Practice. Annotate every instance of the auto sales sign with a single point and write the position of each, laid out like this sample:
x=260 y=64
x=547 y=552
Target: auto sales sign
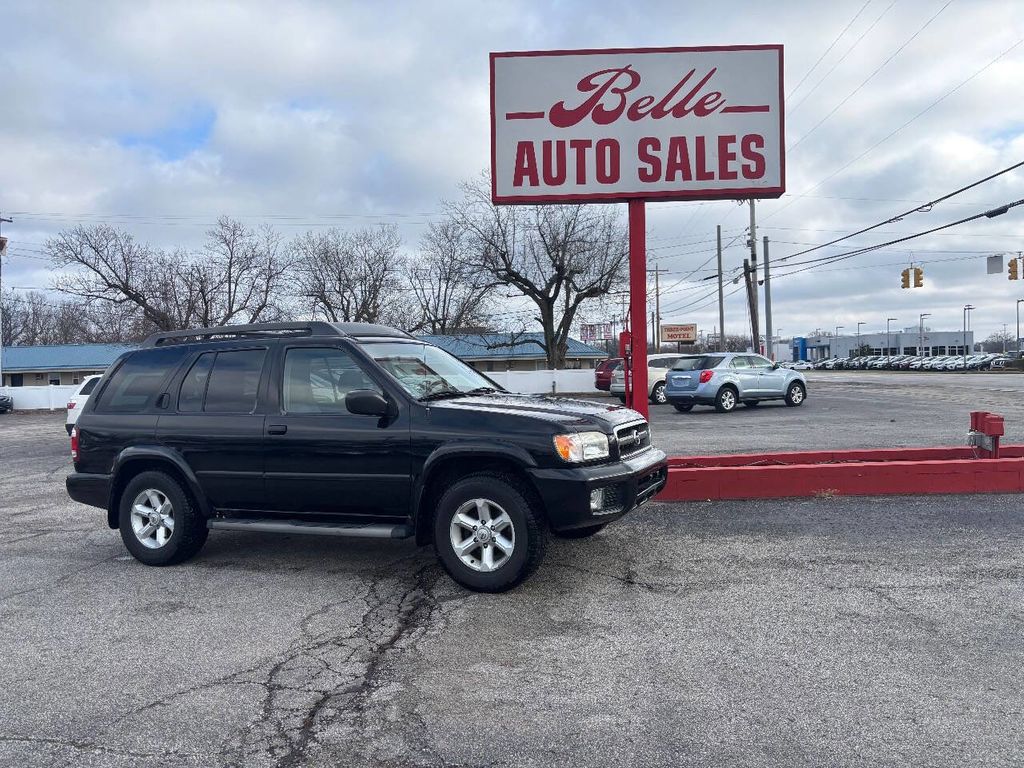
x=641 y=124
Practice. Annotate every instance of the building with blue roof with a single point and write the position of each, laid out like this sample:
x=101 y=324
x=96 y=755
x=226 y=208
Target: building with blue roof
x=490 y=352
x=56 y=364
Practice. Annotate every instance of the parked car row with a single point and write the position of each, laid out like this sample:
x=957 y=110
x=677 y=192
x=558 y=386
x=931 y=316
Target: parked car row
x=722 y=380
x=974 y=362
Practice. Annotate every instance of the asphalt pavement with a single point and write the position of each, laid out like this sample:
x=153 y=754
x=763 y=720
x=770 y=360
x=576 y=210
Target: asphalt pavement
x=838 y=631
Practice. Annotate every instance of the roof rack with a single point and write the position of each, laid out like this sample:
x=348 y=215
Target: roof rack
x=257 y=330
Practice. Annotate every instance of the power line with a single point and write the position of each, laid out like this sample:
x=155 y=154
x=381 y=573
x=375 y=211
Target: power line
x=828 y=50
x=868 y=79
x=898 y=217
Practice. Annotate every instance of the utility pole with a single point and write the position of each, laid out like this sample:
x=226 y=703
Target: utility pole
x=721 y=297
x=1017 y=345
x=3 y=253
x=750 y=271
x=967 y=311
x=859 y=324
x=1004 y=339
x=920 y=332
x=656 y=326
x=888 y=342
x=768 y=304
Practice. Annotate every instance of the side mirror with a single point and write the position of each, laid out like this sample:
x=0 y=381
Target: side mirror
x=775 y=366
x=366 y=402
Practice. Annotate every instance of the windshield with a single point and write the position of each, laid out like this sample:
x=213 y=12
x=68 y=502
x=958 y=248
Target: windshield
x=427 y=371
x=696 y=363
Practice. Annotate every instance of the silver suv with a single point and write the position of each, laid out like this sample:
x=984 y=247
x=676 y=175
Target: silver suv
x=727 y=379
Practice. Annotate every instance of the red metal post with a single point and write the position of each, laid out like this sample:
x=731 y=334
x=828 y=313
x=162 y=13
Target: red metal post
x=638 y=305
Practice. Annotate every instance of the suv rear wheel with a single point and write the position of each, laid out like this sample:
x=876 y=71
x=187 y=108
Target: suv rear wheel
x=725 y=400
x=487 y=533
x=158 y=523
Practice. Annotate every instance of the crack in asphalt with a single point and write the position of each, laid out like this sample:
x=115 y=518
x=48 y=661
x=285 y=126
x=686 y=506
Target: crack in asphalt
x=92 y=746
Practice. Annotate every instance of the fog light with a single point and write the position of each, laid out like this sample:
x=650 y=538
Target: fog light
x=597 y=500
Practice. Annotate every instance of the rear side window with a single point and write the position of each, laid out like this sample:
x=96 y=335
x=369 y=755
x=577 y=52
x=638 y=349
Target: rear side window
x=193 y=388
x=88 y=387
x=134 y=385
x=697 y=363
x=234 y=380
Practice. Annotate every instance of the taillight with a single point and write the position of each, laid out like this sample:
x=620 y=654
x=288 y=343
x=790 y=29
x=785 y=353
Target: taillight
x=705 y=376
x=71 y=405
x=74 y=444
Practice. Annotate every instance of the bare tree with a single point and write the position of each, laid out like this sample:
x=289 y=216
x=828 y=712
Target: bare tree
x=238 y=277
x=557 y=256
x=354 y=276
x=451 y=294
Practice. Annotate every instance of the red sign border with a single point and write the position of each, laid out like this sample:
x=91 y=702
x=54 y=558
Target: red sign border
x=731 y=193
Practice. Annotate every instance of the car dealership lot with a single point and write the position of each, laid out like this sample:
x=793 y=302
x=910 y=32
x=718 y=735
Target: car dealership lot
x=823 y=631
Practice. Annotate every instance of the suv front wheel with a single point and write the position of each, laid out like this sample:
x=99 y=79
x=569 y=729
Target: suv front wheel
x=487 y=534
x=158 y=523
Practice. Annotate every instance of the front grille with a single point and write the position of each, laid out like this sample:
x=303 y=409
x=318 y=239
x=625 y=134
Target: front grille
x=633 y=438
x=613 y=500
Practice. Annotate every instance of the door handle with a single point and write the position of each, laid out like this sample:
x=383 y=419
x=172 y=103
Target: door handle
x=277 y=429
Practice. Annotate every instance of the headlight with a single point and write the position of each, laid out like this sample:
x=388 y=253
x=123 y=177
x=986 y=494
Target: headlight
x=582 y=446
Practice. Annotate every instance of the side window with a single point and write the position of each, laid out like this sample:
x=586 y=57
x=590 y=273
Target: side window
x=316 y=380
x=89 y=386
x=133 y=386
x=193 y=388
x=740 y=362
x=234 y=380
x=756 y=361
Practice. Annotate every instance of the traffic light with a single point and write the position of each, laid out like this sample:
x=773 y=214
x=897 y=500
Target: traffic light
x=906 y=278
x=918 y=277
x=1014 y=274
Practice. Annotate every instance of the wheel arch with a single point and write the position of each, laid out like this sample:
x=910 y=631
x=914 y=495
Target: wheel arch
x=135 y=460
x=446 y=465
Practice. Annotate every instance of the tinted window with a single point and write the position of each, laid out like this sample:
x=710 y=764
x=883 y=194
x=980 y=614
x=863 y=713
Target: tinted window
x=740 y=362
x=133 y=386
x=233 y=381
x=193 y=388
x=316 y=380
x=88 y=387
x=697 y=363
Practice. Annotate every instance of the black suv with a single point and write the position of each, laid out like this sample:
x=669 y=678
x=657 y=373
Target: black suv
x=349 y=429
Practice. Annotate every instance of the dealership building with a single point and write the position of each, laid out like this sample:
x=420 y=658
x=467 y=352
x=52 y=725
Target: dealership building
x=905 y=341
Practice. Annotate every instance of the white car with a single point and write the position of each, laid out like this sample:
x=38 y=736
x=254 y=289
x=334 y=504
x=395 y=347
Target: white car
x=658 y=367
x=79 y=399
x=800 y=365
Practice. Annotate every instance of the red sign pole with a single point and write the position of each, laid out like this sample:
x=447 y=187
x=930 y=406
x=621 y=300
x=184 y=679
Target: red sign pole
x=638 y=306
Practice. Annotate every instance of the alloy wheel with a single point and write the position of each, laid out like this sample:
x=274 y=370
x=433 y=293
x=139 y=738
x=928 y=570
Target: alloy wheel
x=152 y=518
x=482 y=535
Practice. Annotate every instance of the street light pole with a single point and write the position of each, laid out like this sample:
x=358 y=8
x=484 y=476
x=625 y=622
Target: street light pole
x=920 y=332
x=967 y=309
x=836 y=337
x=1017 y=345
x=858 y=337
x=888 y=342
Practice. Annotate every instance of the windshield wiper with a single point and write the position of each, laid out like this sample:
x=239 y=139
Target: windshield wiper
x=481 y=391
x=444 y=393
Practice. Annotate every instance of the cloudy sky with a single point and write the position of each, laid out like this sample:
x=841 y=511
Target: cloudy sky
x=158 y=117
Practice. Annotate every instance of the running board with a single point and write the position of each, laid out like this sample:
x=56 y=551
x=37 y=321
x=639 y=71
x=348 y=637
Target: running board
x=315 y=529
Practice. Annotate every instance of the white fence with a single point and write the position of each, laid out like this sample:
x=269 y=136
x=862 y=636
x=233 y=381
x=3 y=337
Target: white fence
x=52 y=398
x=546 y=382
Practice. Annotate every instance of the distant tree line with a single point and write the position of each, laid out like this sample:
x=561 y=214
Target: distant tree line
x=116 y=288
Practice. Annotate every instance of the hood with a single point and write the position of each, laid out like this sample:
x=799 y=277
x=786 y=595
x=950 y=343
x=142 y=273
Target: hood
x=564 y=411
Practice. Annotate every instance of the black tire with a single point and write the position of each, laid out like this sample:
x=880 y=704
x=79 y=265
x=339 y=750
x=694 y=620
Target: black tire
x=725 y=400
x=530 y=536
x=658 y=394
x=580 y=533
x=796 y=394
x=751 y=403
x=683 y=407
x=189 y=533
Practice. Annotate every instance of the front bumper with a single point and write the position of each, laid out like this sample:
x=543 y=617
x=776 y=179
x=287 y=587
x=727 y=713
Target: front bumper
x=93 y=490
x=627 y=484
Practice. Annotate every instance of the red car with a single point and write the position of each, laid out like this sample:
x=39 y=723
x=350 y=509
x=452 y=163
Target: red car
x=603 y=373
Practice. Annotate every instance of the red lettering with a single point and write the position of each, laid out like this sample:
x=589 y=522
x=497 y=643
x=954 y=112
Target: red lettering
x=725 y=156
x=678 y=160
x=553 y=156
x=646 y=150
x=703 y=174
x=683 y=108
x=661 y=110
x=709 y=103
x=562 y=116
x=526 y=165
x=607 y=151
x=639 y=108
x=580 y=147
x=748 y=148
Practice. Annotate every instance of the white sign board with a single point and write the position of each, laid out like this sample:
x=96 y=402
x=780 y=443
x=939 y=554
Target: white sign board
x=644 y=123
x=591 y=332
x=685 y=333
